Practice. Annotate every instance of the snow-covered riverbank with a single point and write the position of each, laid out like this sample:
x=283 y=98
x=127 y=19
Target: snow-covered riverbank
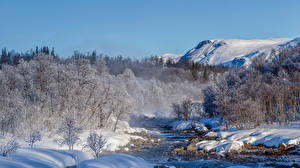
x=269 y=136
x=154 y=151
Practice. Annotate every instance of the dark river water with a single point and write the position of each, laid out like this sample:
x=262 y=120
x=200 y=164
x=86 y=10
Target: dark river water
x=170 y=139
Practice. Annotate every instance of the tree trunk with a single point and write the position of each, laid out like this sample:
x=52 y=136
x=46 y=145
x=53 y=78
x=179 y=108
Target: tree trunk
x=116 y=123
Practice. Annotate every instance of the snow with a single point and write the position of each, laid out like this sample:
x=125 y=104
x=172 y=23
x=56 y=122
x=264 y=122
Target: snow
x=48 y=153
x=39 y=157
x=48 y=158
x=115 y=140
x=211 y=134
x=220 y=51
x=186 y=125
x=116 y=161
x=231 y=52
x=270 y=136
x=168 y=56
x=200 y=125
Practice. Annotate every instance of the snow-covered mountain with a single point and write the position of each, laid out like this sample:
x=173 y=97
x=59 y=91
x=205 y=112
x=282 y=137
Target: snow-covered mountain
x=231 y=52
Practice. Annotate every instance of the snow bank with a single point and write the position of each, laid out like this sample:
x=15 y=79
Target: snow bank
x=115 y=140
x=116 y=161
x=220 y=146
x=270 y=136
x=186 y=125
x=39 y=157
x=124 y=127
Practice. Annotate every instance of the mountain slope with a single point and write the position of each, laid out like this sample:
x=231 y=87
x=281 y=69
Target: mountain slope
x=232 y=52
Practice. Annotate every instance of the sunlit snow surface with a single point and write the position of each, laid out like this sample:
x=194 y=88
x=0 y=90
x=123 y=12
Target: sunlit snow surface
x=270 y=136
x=51 y=155
x=48 y=153
x=116 y=161
x=42 y=158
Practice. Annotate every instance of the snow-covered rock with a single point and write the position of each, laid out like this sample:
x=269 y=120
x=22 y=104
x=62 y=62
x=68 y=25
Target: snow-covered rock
x=232 y=52
x=186 y=125
x=212 y=134
x=116 y=161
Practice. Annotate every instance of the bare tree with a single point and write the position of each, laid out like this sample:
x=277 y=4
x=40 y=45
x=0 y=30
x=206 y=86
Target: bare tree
x=186 y=108
x=177 y=110
x=8 y=147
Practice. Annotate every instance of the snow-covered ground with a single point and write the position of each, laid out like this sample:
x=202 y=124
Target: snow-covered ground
x=115 y=140
x=43 y=158
x=48 y=158
x=48 y=153
x=116 y=161
x=270 y=136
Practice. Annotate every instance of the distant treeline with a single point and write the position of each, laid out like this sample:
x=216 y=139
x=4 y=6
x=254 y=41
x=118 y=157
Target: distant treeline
x=117 y=64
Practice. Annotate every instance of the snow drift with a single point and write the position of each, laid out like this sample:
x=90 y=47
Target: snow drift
x=39 y=157
x=116 y=161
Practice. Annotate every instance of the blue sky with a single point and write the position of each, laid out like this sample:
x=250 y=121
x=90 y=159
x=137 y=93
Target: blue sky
x=139 y=28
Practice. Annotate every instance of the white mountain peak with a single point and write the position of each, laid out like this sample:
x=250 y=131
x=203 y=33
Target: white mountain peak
x=231 y=51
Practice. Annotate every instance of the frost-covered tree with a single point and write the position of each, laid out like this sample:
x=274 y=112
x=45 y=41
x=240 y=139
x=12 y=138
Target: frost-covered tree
x=96 y=143
x=69 y=132
x=209 y=106
x=121 y=107
x=8 y=147
x=34 y=136
x=38 y=89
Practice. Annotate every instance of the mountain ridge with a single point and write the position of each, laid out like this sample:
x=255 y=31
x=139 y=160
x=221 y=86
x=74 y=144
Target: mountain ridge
x=231 y=52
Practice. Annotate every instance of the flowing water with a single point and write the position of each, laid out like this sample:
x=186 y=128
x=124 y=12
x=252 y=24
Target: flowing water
x=156 y=152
